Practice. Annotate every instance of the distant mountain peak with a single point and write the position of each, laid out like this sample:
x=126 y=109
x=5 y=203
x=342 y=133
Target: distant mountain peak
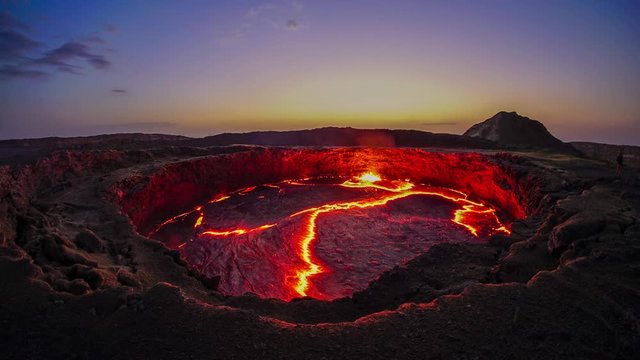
x=514 y=130
x=509 y=116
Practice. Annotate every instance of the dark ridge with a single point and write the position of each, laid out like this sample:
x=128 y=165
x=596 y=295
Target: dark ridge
x=24 y=150
x=608 y=152
x=334 y=136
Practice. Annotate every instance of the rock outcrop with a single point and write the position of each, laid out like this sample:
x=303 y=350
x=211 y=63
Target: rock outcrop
x=515 y=131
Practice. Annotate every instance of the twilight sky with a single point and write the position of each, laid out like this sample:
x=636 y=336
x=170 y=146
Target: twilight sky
x=203 y=67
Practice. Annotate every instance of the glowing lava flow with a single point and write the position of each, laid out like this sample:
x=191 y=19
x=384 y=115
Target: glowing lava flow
x=401 y=190
x=369 y=177
x=237 y=231
x=473 y=216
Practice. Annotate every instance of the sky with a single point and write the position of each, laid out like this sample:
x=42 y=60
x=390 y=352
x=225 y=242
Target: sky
x=199 y=68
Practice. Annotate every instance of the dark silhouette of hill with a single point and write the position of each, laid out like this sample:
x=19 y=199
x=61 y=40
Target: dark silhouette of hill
x=513 y=130
x=505 y=130
x=334 y=136
x=19 y=150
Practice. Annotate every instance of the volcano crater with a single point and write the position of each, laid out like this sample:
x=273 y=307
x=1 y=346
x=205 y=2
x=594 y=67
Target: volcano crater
x=321 y=223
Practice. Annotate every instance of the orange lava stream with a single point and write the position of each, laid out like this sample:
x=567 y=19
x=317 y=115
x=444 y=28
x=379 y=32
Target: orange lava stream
x=219 y=198
x=398 y=189
x=236 y=231
x=176 y=218
x=199 y=221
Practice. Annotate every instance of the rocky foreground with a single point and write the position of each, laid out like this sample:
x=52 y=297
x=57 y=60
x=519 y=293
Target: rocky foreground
x=79 y=282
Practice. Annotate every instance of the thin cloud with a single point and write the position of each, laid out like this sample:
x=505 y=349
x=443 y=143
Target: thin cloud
x=95 y=40
x=14 y=45
x=70 y=51
x=257 y=11
x=17 y=58
x=119 y=91
x=279 y=15
x=293 y=25
x=7 y=21
x=12 y=71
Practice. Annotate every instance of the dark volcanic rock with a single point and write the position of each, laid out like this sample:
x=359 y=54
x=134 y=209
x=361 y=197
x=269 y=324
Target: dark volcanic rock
x=577 y=227
x=78 y=287
x=587 y=214
x=87 y=240
x=210 y=282
x=511 y=129
x=88 y=274
x=127 y=279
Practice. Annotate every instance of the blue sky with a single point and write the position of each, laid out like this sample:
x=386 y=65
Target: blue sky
x=203 y=67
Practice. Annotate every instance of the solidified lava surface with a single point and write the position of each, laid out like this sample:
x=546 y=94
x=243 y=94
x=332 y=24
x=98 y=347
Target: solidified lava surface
x=323 y=238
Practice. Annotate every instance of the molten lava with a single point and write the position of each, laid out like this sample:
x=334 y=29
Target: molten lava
x=301 y=231
x=369 y=178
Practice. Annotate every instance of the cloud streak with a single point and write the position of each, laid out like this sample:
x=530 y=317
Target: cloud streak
x=293 y=25
x=19 y=52
x=70 y=51
x=257 y=11
x=281 y=15
x=7 y=21
x=95 y=40
x=12 y=71
x=14 y=45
